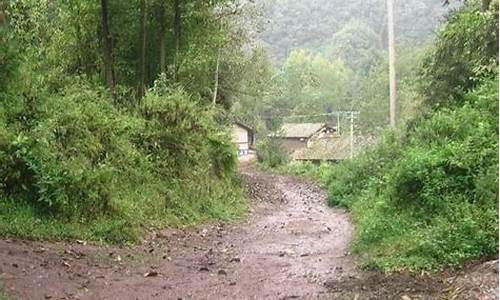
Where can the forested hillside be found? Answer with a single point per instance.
(112, 116)
(302, 24)
(320, 56)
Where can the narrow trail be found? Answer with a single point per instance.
(291, 246)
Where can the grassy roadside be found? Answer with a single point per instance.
(3, 294)
(226, 202)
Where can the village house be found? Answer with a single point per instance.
(243, 138)
(313, 142)
(295, 136)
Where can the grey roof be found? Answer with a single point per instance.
(299, 130)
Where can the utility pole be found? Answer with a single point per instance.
(392, 64)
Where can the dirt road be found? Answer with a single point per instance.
(292, 246)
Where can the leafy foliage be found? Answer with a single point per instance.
(426, 195)
(373, 91)
(466, 51)
(85, 160)
(80, 160)
(271, 153)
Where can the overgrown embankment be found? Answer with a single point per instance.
(75, 166)
(99, 139)
(427, 194)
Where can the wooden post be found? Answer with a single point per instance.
(392, 64)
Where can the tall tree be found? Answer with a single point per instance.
(177, 35)
(142, 52)
(162, 33)
(107, 47)
(2, 14)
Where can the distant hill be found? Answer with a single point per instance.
(312, 23)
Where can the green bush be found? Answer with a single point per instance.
(465, 51)
(182, 128)
(429, 197)
(321, 172)
(74, 159)
(271, 153)
(84, 167)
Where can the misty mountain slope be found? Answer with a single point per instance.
(312, 23)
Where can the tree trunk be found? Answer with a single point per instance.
(2, 14)
(142, 52)
(107, 47)
(177, 35)
(163, 31)
(216, 84)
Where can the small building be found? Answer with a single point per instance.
(296, 136)
(243, 138)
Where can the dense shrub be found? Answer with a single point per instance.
(465, 51)
(8, 57)
(83, 161)
(71, 162)
(428, 197)
(186, 131)
(271, 153)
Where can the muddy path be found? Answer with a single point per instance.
(291, 246)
